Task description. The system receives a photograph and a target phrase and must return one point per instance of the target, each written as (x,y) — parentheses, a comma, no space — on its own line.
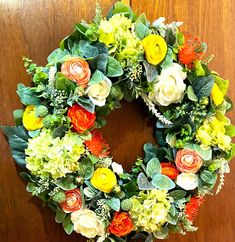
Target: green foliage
(28,96)
(114,203)
(126,205)
(142,30)
(62,83)
(153,167)
(230,130)
(59,131)
(67,225)
(143,182)
(97,77)
(177,194)
(191,94)
(151,71)
(87,167)
(87,50)
(114,68)
(208,177)
(168,59)
(99,62)
(59,197)
(205,154)
(41,111)
(18,114)
(58,56)
(66,183)
(150,152)
(60,215)
(18,141)
(162,182)
(202,86)
(86,103)
(120,7)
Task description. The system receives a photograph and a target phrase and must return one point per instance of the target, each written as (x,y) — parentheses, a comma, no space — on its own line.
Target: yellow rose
(155,48)
(104,180)
(30,121)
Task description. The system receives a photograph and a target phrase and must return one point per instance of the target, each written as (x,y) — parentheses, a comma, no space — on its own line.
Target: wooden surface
(34,28)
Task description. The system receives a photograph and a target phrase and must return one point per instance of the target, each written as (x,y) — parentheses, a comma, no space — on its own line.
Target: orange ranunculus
(77,70)
(121,224)
(188,161)
(192,207)
(98,146)
(192,50)
(168,169)
(73,201)
(81,119)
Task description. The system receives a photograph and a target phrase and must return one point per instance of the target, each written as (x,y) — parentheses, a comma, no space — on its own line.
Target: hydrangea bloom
(149,210)
(46,156)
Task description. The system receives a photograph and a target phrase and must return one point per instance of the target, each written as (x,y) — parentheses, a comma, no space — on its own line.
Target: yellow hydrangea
(213,132)
(30,120)
(149,210)
(104,180)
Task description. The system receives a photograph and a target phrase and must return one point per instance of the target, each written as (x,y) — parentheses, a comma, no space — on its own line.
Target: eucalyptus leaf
(177,194)
(114,203)
(191,94)
(114,68)
(58,55)
(97,77)
(87,167)
(65,183)
(60,215)
(202,86)
(143,182)
(163,182)
(153,167)
(151,71)
(86,103)
(168,59)
(99,62)
(18,114)
(150,151)
(87,50)
(208,177)
(142,30)
(68,225)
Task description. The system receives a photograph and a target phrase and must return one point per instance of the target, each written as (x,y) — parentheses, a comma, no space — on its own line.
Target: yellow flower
(30,121)
(104,180)
(217,95)
(155,48)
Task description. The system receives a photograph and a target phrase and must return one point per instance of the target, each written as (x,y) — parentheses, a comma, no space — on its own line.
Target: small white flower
(170,86)
(117,168)
(87,224)
(99,92)
(188,181)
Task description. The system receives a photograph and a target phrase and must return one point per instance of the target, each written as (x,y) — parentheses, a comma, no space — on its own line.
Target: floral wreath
(64,157)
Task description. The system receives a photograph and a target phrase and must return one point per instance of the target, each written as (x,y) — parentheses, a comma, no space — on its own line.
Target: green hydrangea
(213,132)
(149,210)
(118,35)
(48,157)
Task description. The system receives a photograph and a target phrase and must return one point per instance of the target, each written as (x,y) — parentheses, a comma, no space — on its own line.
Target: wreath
(65,159)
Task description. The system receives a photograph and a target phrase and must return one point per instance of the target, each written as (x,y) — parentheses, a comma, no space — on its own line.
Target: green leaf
(208,177)
(26,176)
(230,130)
(99,62)
(114,68)
(18,141)
(114,203)
(86,135)
(142,31)
(31,187)
(60,215)
(177,194)
(18,114)
(162,182)
(153,167)
(87,104)
(120,7)
(81,28)
(202,86)
(143,182)
(151,71)
(65,183)
(68,225)
(231,152)
(163,234)
(142,19)
(27,95)
(205,154)
(58,55)
(191,94)
(34,133)
(198,68)
(87,50)
(87,167)
(168,59)
(150,151)
(62,83)
(97,77)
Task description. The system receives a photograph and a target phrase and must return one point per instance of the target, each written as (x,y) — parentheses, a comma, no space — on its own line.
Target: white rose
(117,168)
(170,86)
(99,92)
(188,181)
(86,223)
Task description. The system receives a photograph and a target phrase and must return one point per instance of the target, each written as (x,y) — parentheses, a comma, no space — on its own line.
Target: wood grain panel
(34,28)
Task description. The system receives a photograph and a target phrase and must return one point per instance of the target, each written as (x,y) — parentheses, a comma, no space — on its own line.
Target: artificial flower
(77,70)
(104,180)
(121,224)
(81,119)
(188,181)
(193,206)
(168,169)
(73,201)
(87,224)
(188,161)
(98,146)
(30,120)
(155,48)
(149,210)
(213,132)
(47,157)
(98,92)
(117,168)
(191,51)
(170,86)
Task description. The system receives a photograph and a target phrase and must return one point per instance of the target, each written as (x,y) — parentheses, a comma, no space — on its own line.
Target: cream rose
(86,223)
(99,92)
(188,181)
(170,86)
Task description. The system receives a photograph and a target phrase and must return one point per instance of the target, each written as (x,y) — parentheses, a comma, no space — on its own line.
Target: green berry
(59,197)
(126,205)
(41,111)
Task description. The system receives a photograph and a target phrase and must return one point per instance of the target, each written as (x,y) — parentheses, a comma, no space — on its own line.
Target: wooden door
(34,28)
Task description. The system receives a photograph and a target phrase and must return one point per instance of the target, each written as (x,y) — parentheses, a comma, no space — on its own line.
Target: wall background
(34,28)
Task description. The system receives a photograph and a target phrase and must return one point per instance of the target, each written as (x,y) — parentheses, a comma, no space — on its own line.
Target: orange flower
(73,201)
(192,207)
(191,51)
(168,169)
(188,161)
(121,224)
(98,146)
(77,70)
(81,119)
